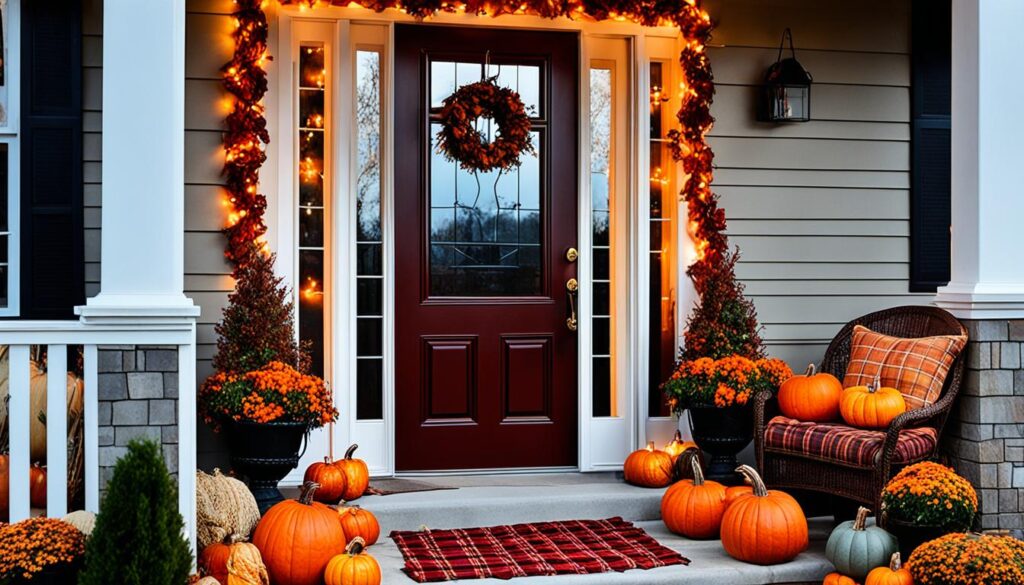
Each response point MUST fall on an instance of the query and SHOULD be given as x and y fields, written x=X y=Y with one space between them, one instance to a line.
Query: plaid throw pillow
x=916 y=367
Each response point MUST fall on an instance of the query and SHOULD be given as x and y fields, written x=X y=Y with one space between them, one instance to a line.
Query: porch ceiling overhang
x=686 y=14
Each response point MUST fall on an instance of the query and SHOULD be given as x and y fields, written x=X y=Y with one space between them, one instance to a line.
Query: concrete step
x=503 y=504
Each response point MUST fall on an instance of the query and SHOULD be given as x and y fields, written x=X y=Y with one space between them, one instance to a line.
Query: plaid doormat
x=527 y=550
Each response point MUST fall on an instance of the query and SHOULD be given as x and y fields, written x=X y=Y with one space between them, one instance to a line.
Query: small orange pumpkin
x=838 y=579
x=894 y=574
x=297 y=538
x=353 y=567
x=813 y=397
x=648 y=467
x=694 y=508
x=871 y=407
x=733 y=492
x=37 y=486
x=677 y=446
x=357 y=475
x=213 y=561
x=361 y=523
x=764 y=527
x=331 y=478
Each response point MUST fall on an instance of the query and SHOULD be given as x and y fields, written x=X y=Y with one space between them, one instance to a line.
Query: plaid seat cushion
x=843 y=444
x=916 y=367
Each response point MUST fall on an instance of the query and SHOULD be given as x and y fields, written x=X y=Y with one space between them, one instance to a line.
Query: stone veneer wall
x=984 y=438
x=138 y=399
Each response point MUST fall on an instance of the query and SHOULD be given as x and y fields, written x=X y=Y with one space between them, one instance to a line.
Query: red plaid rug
x=527 y=550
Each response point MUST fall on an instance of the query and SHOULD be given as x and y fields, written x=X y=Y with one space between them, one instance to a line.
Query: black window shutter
x=930 y=212
x=52 y=238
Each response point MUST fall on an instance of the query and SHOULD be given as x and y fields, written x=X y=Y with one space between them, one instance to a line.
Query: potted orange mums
x=925 y=501
x=41 y=551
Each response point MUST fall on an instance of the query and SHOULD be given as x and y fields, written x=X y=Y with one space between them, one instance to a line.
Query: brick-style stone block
x=140 y=361
x=994 y=383
x=171 y=457
x=112 y=387
x=143 y=385
x=108 y=456
x=1009 y=355
x=131 y=413
x=125 y=435
x=1009 y=432
x=105 y=436
x=980 y=451
x=109 y=361
x=162 y=412
x=161 y=360
x=1018 y=478
x=169 y=435
x=1011 y=521
x=1018 y=382
x=992 y=330
x=988 y=500
x=972 y=432
x=989 y=521
x=171 y=385
x=128 y=361
x=1008 y=501
x=979 y=356
x=103 y=413
x=1017 y=330
x=1004 y=473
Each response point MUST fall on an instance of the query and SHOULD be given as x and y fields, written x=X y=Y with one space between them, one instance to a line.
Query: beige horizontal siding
x=820 y=210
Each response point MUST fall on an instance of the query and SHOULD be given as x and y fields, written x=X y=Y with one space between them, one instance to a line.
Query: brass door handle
x=572 y=287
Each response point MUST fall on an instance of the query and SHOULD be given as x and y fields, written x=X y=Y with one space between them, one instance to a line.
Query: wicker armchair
x=862 y=483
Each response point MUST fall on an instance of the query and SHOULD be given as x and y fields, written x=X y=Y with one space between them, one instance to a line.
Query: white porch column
x=142 y=265
x=988 y=173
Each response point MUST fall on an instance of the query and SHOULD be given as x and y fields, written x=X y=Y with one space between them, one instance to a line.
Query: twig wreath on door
x=461 y=141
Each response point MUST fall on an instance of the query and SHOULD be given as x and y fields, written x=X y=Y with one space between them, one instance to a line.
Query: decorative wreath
x=459 y=141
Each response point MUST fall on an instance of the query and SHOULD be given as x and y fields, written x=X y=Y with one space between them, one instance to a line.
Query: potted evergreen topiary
x=138 y=538
x=261 y=393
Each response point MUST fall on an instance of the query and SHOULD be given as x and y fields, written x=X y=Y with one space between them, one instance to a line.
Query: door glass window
x=600 y=220
x=485 y=228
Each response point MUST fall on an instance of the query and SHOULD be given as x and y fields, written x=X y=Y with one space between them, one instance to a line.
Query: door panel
x=485 y=363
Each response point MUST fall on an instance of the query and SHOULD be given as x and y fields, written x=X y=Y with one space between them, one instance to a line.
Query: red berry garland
x=459 y=141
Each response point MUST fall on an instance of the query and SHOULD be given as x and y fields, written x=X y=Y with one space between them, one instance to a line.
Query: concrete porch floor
x=489 y=500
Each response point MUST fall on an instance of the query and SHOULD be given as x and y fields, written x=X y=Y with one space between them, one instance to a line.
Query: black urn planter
x=722 y=433
x=910 y=535
x=263 y=453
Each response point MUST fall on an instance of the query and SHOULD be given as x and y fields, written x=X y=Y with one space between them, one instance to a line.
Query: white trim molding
x=987 y=203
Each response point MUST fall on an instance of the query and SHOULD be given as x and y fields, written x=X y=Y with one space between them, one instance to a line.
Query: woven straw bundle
x=224 y=507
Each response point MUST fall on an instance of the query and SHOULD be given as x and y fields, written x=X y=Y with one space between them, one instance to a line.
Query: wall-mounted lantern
x=787 y=88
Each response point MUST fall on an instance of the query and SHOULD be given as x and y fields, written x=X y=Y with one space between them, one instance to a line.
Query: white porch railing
x=20 y=336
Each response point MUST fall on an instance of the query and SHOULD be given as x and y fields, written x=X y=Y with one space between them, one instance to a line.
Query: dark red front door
x=486 y=365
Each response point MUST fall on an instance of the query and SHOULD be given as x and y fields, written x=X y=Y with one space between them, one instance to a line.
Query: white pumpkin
x=82 y=520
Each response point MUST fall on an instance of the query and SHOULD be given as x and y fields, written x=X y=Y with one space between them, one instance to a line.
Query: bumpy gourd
x=224 y=508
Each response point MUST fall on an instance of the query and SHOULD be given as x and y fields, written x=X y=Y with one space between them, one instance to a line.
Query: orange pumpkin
x=838 y=579
x=357 y=475
x=732 y=493
x=297 y=538
x=331 y=478
x=812 y=397
x=872 y=407
x=694 y=508
x=353 y=567
x=5 y=486
x=677 y=446
x=648 y=467
x=37 y=486
x=357 y=522
x=894 y=574
x=214 y=559
x=764 y=527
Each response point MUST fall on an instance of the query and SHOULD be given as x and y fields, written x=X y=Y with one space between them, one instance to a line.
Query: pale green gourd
x=855 y=549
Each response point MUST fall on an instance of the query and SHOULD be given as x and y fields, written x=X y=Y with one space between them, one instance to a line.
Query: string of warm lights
x=246 y=79
x=246 y=133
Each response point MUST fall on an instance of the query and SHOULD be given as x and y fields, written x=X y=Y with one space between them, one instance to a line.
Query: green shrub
x=138 y=539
